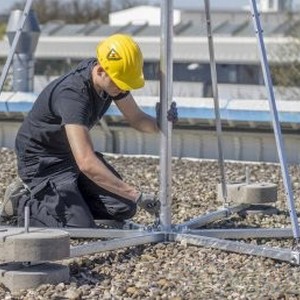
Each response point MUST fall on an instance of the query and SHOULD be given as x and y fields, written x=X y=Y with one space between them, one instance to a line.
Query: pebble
x=178 y=271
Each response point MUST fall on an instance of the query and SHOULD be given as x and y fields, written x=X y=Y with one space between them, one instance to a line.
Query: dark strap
x=120 y=96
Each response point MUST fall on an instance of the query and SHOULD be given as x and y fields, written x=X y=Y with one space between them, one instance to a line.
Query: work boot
x=13 y=193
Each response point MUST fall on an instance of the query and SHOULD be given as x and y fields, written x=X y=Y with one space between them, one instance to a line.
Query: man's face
x=109 y=86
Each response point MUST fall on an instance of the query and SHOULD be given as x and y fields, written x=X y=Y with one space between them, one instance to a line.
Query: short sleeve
x=72 y=106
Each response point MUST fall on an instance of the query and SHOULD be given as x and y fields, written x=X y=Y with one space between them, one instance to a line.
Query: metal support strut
x=214 y=82
x=275 y=120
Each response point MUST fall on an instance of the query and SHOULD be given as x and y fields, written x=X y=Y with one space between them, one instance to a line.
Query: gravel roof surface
x=174 y=270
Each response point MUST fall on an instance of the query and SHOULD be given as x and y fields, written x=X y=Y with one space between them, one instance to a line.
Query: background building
x=244 y=109
x=63 y=45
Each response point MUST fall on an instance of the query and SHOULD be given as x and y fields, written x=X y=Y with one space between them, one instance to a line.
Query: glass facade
x=187 y=71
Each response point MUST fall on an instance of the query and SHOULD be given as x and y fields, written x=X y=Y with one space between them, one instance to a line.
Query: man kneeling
x=67 y=183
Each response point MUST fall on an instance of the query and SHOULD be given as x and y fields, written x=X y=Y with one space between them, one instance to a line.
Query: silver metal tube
x=95 y=247
x=166 y=90
x=238 y=247
x=15 y=43
x=214 y=81
x=26 y=219
x=275 y=119
x=244 y=233
x=102 y=233
x=90 y=232
x=247 y=175
x=210 y=217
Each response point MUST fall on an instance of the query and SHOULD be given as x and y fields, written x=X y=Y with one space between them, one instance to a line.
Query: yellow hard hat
x=121 y=58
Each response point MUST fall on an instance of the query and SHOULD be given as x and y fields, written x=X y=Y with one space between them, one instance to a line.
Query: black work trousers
x=72 y=201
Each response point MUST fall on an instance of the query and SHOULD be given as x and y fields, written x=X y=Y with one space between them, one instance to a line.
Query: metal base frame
x=190 y=232
x=186 y=234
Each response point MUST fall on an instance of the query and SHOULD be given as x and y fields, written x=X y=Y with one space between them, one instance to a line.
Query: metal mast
x=166 y=95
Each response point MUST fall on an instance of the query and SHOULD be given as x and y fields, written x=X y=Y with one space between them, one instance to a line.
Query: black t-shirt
x=70 y=99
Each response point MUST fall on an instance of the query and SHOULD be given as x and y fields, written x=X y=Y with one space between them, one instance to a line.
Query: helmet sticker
x=113 y=55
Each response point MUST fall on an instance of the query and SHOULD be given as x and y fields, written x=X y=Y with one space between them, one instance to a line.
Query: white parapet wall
x=247 y=128
x=238 y=145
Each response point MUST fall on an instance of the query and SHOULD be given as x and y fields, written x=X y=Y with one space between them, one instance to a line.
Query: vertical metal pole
x=26 y=219
x=275 y=119
x=166 y=90
x=214 y=82
x=15 y=43
x=247 y=174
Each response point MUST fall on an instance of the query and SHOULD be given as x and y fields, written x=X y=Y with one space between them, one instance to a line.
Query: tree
x=286 y=71
x=2 y=30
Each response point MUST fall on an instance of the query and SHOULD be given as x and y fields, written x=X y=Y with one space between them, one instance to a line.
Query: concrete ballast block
x=16 y=276
x=36 y=245
x=249 y=193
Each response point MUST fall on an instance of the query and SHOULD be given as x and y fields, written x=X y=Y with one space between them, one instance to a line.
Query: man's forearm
x=146 y=124
x=96 y=171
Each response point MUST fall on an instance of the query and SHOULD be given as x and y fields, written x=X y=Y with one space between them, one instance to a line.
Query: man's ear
x=99 y=69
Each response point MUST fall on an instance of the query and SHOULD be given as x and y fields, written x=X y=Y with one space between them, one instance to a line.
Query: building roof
x=141 y=15
x=233 y=32
x=191 y=23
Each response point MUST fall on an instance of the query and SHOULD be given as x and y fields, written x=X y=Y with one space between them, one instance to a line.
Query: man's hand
x=172 y=114
x=149 y=203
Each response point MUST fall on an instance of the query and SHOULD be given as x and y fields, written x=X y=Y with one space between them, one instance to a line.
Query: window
x=271 y=4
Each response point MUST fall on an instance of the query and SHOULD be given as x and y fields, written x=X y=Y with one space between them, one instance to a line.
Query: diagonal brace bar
x=275 y=119
x=101 y=246
x=101 y=233
x=214 y=81
x=239 y=247
x=244 y=233
x=211 y=217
